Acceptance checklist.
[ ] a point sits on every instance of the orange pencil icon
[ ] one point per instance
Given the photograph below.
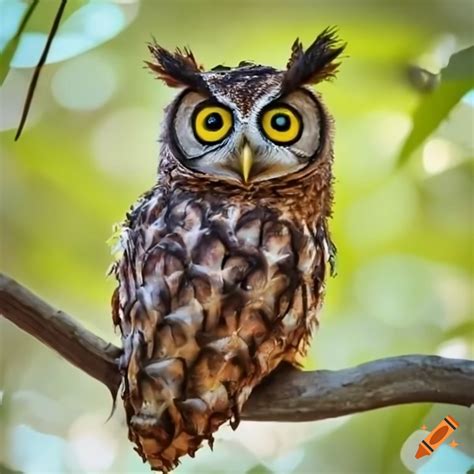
(437, 437)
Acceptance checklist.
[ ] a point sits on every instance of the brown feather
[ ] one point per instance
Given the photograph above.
(178, 69)
(206, 315)
(314, 65)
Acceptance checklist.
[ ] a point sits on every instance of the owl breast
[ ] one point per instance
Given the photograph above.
(212, 297)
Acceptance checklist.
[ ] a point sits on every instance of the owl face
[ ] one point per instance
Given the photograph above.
(264, 138)
(250, 123)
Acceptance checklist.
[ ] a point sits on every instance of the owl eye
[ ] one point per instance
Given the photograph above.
(212, 123)
(282, 125)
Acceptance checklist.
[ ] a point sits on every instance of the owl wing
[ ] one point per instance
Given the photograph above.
(210, 300)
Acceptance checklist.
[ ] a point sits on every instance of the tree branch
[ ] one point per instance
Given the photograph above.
(286, 395)
(292, 395)
(60, 332)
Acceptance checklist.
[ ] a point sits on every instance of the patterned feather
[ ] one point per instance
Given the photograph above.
(211, 299)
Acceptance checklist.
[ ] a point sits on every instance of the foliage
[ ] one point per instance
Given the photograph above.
(457, 78)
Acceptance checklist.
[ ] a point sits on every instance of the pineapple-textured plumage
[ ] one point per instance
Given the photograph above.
(220, 280)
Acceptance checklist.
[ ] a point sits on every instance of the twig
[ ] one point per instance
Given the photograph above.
(39, 66)
(287, 395)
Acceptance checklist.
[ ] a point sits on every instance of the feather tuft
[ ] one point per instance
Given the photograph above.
(314, 65)
(178, 69)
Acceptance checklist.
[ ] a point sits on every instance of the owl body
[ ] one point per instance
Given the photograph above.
(222, 273)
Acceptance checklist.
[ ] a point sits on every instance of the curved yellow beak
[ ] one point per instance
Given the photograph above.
(246, 161)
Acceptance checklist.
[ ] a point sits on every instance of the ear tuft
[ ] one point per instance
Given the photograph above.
(178, 69)
(297, 53)
(314, 65)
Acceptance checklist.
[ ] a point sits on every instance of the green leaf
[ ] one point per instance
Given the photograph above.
(10, 48)
(457, 78)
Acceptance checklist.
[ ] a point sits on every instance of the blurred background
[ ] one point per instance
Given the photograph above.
(403, 219)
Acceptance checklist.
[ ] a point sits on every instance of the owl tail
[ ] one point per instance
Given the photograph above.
(166, 421)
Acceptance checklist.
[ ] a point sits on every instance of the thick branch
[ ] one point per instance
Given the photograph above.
(292, 395)
(60, 332)
(287, 395)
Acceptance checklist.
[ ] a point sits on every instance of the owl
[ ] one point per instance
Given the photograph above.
(224, 260)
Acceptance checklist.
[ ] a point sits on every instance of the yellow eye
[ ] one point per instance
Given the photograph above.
(212, 124)
(282, 125)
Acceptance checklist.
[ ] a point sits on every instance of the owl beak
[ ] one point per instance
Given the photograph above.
(246, 161)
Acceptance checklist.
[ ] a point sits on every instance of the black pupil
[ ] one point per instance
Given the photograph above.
(214, 122)
(281, 122)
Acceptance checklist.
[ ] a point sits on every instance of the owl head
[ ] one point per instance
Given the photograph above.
(251, 123)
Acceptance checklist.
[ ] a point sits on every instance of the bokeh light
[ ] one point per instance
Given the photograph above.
(97, 83)
(92, 444)
(35, 452)
(124, 144)
(86, 28)
(455, 349)
(10, 17)
(438, 155)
